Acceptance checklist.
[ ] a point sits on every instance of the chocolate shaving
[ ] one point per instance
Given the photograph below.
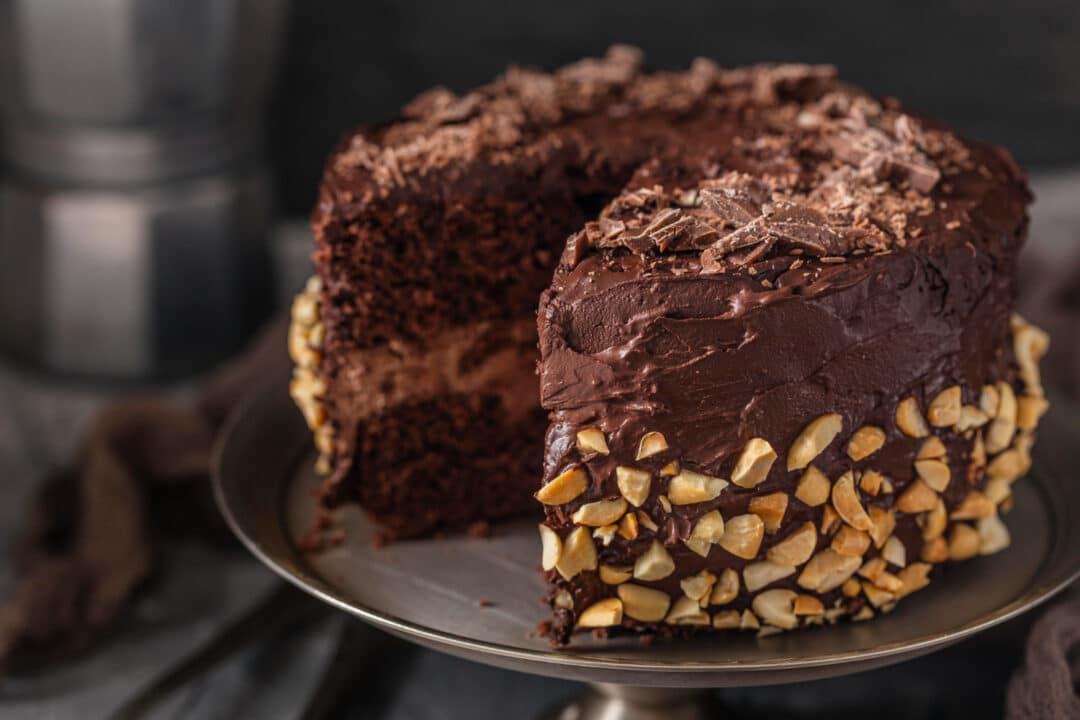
(882, 156)
(733, 206)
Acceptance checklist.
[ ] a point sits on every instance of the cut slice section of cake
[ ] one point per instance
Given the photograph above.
(786, 388)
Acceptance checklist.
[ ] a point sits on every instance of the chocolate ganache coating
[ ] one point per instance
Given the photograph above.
(851, 260)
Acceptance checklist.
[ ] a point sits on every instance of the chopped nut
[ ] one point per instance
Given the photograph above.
(934, 521)
(834, 614)
(754, 463)
(964, 542)
(768, 630)
(564, 488)
(654, 564)
(578, 553)
(1007, 466)
(845, 499)
(777, 607)
(644, 604)
(884, 522)
(850, 541)
(999, 433)
(813, 487)
(866, 441)
(600, 513)
(592, 440)
(727, 620)
(934, 472)
(686, 611)
(988, 400)
(652, 443)
(888, 581)
(670, 470)
(742, 536)
(698, 586)
(688, 488)
(850, 588)
(552, 547)
(814, 438)
(876, 595)
(932, 449)
(605, 533)
(934, 551)
(997, 490)
(796, 548)
(944, 409)
(975, 505)
(1025, 441)
(615, 574)
(828, 570)
(664, 503)
(757, 575)
(646, 521)
(770, 508)
(324, 440)
(886, 486)
(707, 532)
(1028, 411)
(633, 483)
(1029, 345)
(894, 551)
(808, 605)
(870, 482)
(748, 621)
(872, 568)
(971, 417)
(910, 420)
(726, 588)
(830, 521)
(628, 526)
(305, 309)
(602, 614)
(913, 577)
(918, 497)
(993, 535)
(564, 600)
(865, 613)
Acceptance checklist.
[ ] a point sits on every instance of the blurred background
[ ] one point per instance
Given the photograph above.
(158, 160)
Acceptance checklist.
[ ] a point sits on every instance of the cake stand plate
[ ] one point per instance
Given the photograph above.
(479, 599)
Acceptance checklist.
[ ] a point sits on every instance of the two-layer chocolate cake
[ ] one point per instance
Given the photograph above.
(782, 371)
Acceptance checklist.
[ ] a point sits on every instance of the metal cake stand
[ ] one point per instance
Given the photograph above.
(479, 599)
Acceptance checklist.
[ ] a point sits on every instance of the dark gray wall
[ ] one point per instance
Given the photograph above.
(1002, 70)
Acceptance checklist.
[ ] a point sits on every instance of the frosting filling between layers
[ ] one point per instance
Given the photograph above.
(485, 358)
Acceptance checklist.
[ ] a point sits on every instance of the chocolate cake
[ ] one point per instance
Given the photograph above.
(782, 374)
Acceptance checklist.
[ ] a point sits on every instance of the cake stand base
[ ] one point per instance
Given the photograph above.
(606, 701)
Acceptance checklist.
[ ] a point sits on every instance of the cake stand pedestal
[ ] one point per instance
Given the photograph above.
(607, 701)
(479, 598)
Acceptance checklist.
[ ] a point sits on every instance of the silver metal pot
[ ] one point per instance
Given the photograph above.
(134, 210)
